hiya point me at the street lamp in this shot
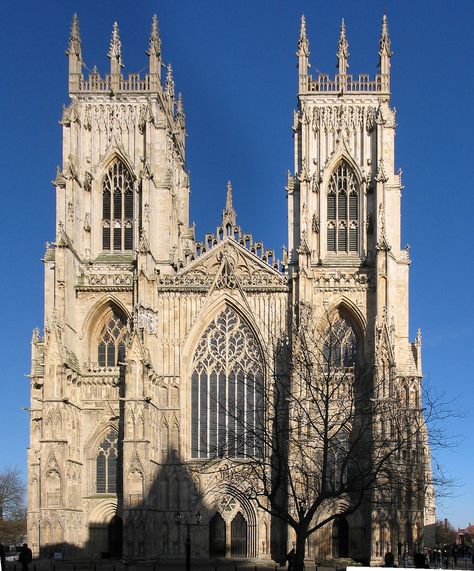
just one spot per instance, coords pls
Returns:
(188, 525)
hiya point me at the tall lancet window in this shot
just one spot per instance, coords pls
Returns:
(340, 347)
(226, 390)
(106, 464)
(343, 211)
(111, 346)
(117, 209)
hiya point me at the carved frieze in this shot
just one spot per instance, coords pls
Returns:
(343, 281)
(105, 281)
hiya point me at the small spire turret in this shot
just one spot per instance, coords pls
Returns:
(74, 53)
(343, 51)
(385, 53)
(303, 57)
(154, 50)
(229, 216)
(115, 52)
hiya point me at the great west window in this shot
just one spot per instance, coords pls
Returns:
(226, 387)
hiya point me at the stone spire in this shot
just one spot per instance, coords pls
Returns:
(228, 214)
(169, 84)
(74, 54)
(115, 52)
(342, 51)
(385, 53)
(154, 49)
(303, 55)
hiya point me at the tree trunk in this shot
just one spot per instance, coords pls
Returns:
(300, 551)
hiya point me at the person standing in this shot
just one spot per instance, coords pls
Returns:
(26, 557)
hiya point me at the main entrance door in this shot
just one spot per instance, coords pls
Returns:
(217, 536)
(238, 536)
(115, 532)
(340, 537)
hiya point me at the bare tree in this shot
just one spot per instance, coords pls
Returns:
(324, 434)
(12, 505)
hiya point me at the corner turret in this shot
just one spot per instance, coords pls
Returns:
(115, 56)
(154, 50)
(385, 53)
(303, 57)
(74, 54)
(343, 51)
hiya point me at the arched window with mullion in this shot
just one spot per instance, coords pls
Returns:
(111, 344)
(226, 391)
(343, 211)
(106, 464)
(117, 209)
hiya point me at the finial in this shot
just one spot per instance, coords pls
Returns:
(228, 199)
(155, 42)
(74, 46)
(229, 214)
(303, 44)
(342, 51)
(169, 85)
(115, 51)
(384, 45)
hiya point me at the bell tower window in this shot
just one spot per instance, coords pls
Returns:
(117, 209)
(343, 211)
(111, 346)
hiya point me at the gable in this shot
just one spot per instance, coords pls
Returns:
(226, 266)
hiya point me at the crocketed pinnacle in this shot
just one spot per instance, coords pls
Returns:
(115, 49)
(228, 215)
(155, 42)
(384, 45)
(74, 46)
(342, 50)
(303, 44)
(179, 106)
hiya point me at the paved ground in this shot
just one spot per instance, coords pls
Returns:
(47, 565)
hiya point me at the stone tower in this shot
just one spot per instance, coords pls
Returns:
(146, 329)
(344, 226)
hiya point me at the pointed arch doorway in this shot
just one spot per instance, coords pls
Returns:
(217, 536)
(238, 536)
(340, 537)
(115, 536)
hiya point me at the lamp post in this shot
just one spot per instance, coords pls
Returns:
(188, 525)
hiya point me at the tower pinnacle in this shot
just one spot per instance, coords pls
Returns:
(154, 50)
(385, 53)
(228, 214)
(74, 54)
(303, 55)
(115, 51)
(342, 51)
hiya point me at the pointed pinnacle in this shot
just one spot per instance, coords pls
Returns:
(228, 200)
(115, 49)
(384, 45)
(342, 48)
(74, 46)
(179, 105)
(303, 44)
(155, 42)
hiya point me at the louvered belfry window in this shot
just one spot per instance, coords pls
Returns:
(343, 211)
(111, 347)
(106, 465)
(226, 391)
(117, 209)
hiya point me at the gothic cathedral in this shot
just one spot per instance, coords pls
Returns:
(146, 328)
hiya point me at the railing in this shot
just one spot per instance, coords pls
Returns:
(134, 82)
(363, 84)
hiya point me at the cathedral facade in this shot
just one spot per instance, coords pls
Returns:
(146, 328)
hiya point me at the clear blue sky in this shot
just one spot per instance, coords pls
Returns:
(234, 62)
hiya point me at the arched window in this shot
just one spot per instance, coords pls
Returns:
(117, 209)
(340, 348)
(226, 390)
(106, 464)
(343, 211)
(111, 346)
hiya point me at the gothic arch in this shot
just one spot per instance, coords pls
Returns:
(346, 307)
(96, 320)
(91, 450)
(113, 155)
(335, 161)
(103, 512)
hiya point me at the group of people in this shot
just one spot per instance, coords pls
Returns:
(25, 557)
